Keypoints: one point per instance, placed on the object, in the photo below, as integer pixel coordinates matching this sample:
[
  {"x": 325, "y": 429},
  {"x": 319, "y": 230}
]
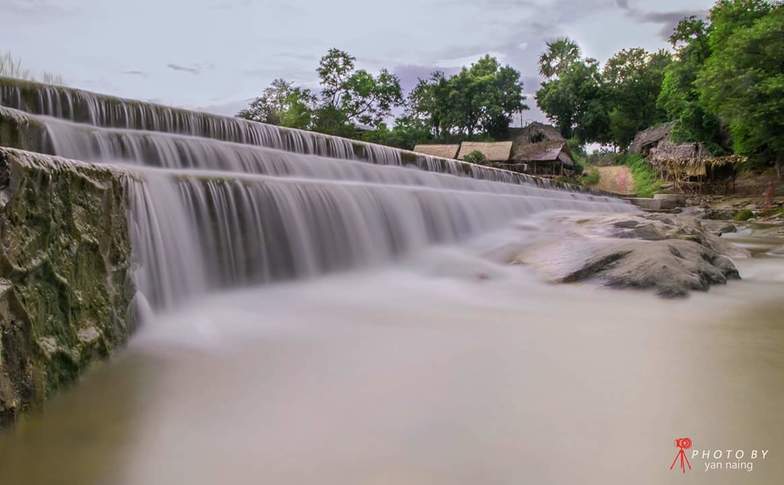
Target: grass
[
  {"x": 646, "y": 182},
  {"x": 590, "y": 176},
  {"x": 744, "y": 215}
]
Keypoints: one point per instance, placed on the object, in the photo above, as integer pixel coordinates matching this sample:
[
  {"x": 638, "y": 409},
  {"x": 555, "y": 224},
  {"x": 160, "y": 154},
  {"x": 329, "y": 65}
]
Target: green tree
[
  {"x": 559, "y": 55},
  {"x": 678, "y": 97},
  {"x": 363, "y": 98},
  {"x": 406, "y": 133},
  {"x": 428, "y": 103},
  {"x": 480, "y": 99},
  {"x": 632, "y": 79},
  {"x": 575, "y": 102},
  {"x": 743, "y": 79},
  {"x": 282, "y": 104}
]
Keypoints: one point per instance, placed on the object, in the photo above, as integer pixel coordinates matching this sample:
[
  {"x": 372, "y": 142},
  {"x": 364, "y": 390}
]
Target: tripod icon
[{"x": 682, "y": 444}]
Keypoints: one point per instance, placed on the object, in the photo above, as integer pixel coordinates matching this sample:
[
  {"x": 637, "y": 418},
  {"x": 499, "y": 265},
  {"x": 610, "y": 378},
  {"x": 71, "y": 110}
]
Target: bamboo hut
[{"x": 691, "y": 169}]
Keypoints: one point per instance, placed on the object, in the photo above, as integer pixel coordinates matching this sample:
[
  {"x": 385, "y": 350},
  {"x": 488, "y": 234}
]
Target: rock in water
[{"x": 670, "y": 254}]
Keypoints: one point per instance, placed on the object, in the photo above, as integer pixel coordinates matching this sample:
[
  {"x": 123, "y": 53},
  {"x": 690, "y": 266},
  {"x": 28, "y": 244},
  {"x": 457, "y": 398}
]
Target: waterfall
[{"x": 220, "y": 202}]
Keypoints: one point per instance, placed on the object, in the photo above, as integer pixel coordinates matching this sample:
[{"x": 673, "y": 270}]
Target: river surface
[{"x": 445, "y": 368}]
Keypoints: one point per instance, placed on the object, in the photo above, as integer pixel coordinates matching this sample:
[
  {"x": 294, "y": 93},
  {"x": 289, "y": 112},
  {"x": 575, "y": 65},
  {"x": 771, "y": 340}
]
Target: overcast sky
[{"x": 215, "y": 54}]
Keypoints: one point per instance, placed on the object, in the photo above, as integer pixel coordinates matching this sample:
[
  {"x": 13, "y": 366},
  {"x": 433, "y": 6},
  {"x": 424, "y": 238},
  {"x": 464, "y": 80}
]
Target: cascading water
[{"x": 221, "y": 202}]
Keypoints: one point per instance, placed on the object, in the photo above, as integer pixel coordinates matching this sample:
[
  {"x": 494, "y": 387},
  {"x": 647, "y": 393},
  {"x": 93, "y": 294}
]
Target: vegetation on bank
[
  {"x": 721, "y": 83},
  {"x": 646, "y": 181},
  {"x": 13, "y": 67},
  {"x": 477, "y": 103}
]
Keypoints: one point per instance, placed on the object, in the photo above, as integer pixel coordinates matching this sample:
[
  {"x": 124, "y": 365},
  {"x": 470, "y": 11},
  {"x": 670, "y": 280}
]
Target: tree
[
  {"x": 743, "y": 81},
  {"x": 632, "y": 80},
  {"x": 481, "y": 98},
  {"x": 575, "y": 101},
  {"x": 282, "y": 104},
  {"x": 428, "y": 103},
  {"x": 363, "y": 98},
  {"x": 406, "y": 133},
  {"x": 678, "y": 97},
  {"x": 560, "y": 54},
  {"x": 334, "y": 70}
]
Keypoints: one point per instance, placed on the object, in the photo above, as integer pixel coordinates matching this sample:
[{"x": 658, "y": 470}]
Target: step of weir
[{"x": 25, "y": 105}]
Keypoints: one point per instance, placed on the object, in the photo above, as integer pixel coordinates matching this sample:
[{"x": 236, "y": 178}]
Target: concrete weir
[
  {"x": 168, "y": 205},
  {"x": 65, "y": 282}
]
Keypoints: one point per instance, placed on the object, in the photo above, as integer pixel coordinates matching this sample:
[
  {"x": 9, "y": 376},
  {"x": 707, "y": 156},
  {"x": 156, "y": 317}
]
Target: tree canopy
[
  {"x": 481, "y": 98},
  {"x": 479, "y": 101}
]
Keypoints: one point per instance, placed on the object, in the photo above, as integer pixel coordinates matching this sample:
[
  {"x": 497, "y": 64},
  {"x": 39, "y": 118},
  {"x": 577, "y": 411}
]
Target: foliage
[
  {"x": 646, "y": 181},
  {"x": 11, "y": 66},
  {"x": 349, "y": 98},
  {"x": 282, "y": 104},
  {"x": 363, "y": 98},
  {"x": 723, "y": 85},
  {"x": 574, "y": 101},
  {"x": 744, "y": 215},
  {"x": 475, "y": 157},
  {"x": 560, "y": 54},
  {"x": 679, "y": 99},
  {"x": 481, "y": 98},
  {"x": 590, "y": 176},
  {"x": 743, "y": 81},
  {"x": 478, "y": 102},
  {"x": 632, "y": 80},
  {"x": 406, "y": 133}
]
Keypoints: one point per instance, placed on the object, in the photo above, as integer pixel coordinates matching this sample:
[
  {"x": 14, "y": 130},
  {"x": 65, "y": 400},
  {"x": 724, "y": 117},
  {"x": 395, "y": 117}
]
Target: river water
[{"x": 446, "y": 368}]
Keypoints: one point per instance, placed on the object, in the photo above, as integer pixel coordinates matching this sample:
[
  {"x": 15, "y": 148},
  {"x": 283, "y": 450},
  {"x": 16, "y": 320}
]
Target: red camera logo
[{"x": 682, "y": 444}]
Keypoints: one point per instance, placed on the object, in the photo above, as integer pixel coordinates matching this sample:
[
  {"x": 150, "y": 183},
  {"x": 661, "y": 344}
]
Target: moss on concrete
[{"x": 65, "y": 285}]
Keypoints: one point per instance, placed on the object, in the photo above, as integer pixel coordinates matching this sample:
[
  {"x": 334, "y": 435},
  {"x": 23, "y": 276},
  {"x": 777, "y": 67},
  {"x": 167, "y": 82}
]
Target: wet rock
[{"x": 671, "y": 255}]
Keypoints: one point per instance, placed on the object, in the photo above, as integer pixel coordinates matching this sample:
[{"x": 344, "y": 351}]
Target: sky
[{"x": 217, "y": 54}]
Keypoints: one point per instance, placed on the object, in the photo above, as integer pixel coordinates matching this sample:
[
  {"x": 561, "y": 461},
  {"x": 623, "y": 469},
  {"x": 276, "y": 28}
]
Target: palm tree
[{"x": 560, "y": 53}]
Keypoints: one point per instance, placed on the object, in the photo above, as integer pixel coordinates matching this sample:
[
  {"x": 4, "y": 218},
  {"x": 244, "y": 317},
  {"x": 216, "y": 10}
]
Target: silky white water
[
  {"x": 219, "y": 202},
  {"x": 319, "y": 316}
]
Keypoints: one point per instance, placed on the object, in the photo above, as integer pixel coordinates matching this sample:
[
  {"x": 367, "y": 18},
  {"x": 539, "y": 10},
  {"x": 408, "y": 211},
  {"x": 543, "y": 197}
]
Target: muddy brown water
[{"x": 423, "y": 374}]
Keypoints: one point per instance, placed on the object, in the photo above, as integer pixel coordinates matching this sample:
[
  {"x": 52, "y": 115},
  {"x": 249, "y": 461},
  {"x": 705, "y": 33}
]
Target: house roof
[
  {"x": 444, "y": 151},
  {"x": 650, "y": 136},
  {"x": 534, "y": 131},
  {"x": 497, "y": 151},
  {"x": 544, "y": 151}
]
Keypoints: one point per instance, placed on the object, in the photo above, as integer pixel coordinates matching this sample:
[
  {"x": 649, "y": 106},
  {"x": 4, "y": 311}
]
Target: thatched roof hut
[
  {"x": 443, "y": 151},
  {"x": 544, "y": 151},
  {"x": 699, "y": 173},
  {"x": 543, "y": 158},
  {"x": 535, "y": 132},
  {"x": 649, "y": 138},
  {"x": 497, "y": 151}
]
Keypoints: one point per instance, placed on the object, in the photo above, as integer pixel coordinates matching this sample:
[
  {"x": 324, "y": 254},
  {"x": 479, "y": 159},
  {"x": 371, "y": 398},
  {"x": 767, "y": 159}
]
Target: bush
[
  {"x": 590, "y": 177},
  {"x": 744, "y": 215},
  {"x": 475, "y": 157}
]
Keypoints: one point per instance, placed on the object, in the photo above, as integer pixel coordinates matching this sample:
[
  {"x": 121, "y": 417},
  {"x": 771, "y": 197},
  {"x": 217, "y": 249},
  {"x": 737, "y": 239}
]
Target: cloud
[
  {"x": 228, "y": 4},
  {"x": 132, "y": 72},
  {"x": 667, "y": 20},
  {"x": 37, "y": 8},
  {"x": 195, "y": 70}
]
